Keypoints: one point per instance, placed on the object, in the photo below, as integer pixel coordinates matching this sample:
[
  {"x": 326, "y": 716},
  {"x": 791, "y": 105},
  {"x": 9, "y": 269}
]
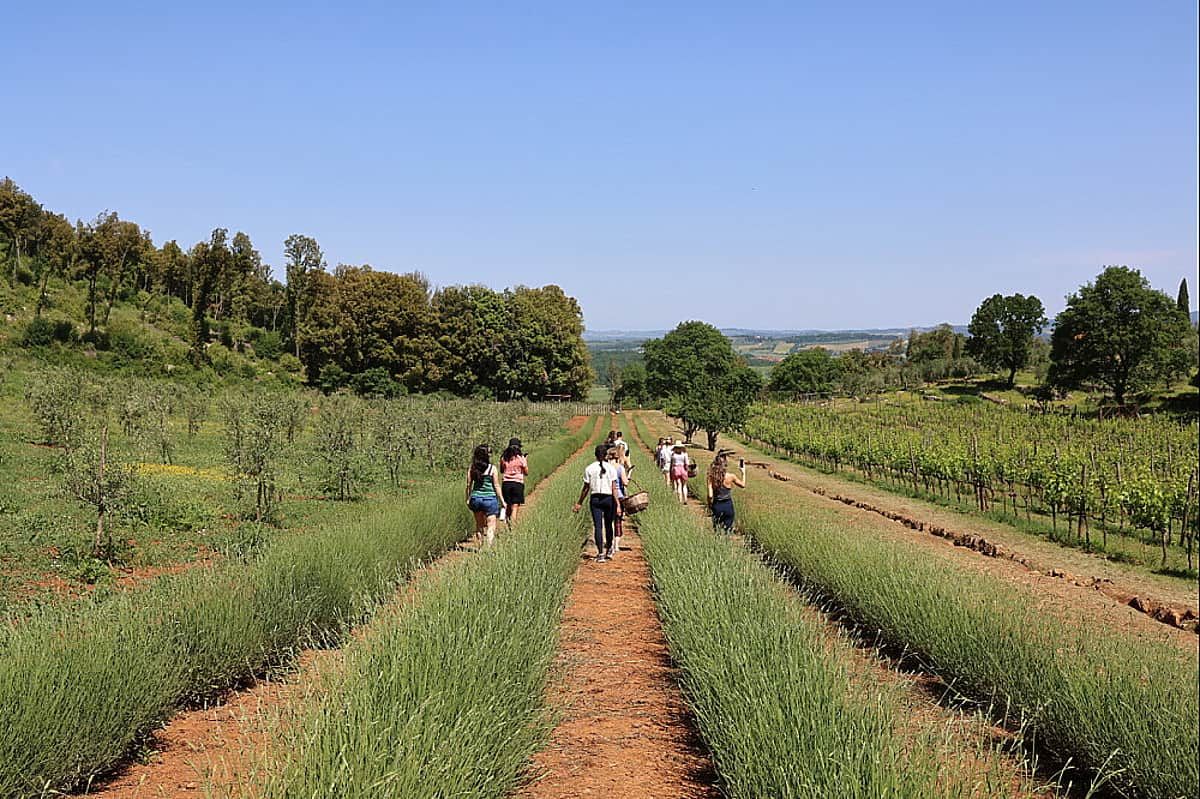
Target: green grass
[
  {"x": 770, "y": 689},
  {"x": 80, "y": 686},
  {"x": 1085, "y": 692},
  {"x": 444, "y": 695},
  {"x": 187, "y": 511}
]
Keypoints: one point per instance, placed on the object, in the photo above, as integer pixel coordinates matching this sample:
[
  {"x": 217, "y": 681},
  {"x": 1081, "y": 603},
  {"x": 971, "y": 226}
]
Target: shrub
[
  {"x": 332, "y": 377},
  {"x": 290, "y": 364},
  {"x": 41, "y": 332},
  {"x": 376, "y": 383},
  {"x": 267, "y": 344},
  {"x": 129, "y": 341}
]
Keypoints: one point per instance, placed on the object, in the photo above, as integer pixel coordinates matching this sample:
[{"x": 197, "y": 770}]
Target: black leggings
[
  {"x": 722, "y": 514},
  {"x": 604, "y": 512}
]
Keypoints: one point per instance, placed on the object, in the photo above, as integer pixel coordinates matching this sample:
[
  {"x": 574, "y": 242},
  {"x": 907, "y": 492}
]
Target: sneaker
[
  {"x": 601, "y": 559},
  {"x": 609, "y": 554}
]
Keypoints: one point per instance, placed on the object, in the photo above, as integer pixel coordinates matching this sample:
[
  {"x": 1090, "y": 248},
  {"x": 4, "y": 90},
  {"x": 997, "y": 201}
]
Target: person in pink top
[{"x": 513, "y": 468}]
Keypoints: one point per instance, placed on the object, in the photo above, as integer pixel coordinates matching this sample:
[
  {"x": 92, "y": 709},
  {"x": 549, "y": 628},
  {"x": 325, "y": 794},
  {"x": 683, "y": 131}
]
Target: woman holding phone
[{"x": 720, "y": 491}]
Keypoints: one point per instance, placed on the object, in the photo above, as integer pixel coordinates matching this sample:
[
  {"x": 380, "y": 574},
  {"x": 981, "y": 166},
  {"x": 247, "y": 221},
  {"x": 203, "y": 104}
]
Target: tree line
[
  {"x": 350, "y": 326},
  {"x": 1116, "y": 332}
]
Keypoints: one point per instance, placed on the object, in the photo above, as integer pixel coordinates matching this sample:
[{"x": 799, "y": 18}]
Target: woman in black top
[{"x": 720, "y": 491}]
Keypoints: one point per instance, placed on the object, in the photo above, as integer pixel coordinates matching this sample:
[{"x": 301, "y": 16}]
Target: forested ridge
[{"x": 348, "y": 326}]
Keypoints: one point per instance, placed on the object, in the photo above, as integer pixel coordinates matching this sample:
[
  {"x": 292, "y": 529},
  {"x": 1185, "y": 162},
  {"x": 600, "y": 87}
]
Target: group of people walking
[
  {"x": 495, "y": 493},
  {"x": 677, "y": 467},
  {"x": 606, "y": 480}
]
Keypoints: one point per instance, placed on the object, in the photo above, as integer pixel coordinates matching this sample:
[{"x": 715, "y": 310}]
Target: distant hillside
[{"x": 796, "y": 336}]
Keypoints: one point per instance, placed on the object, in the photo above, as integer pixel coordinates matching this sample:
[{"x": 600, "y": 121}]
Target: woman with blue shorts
[{"x": 483, "y": 493}]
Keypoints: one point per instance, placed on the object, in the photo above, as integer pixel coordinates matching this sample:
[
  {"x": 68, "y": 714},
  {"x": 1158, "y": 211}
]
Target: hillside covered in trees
[{"x": 105, "y": 288}]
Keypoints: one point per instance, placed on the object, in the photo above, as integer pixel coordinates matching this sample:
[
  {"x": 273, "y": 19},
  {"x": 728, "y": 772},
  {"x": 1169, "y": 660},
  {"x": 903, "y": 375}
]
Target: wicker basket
[{"x": 636, "y": 503}]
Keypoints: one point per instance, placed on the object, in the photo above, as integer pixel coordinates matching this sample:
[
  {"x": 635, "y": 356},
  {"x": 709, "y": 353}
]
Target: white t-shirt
[{"x": 600, "y": 483}]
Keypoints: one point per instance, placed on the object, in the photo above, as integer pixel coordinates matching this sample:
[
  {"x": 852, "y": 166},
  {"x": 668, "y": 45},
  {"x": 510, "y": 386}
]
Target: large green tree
[
  {"x": 57, "y": 252},
  {"x": 470, "y": 323},
  {"x": 20, "y": 220},
  {"x": 694, "y": 371},
  {"x": 363, "y": 319},
  {"x": 1115, "y": 332},
  {"x": 939, "y": 344},
  {"x": 1002, "y": 331},
  {"x": 210, "y": 259},
  {"x": 631, "y": 386},
  {"x": 811, "y": 371},
  {"x": 303, "y": 260},
  {"x": 544, "y": 346}
]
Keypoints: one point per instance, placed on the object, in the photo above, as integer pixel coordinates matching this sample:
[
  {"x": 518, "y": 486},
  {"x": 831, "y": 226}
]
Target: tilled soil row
[
  {"x": 218, "y": 746},
  {"x": 625, "y": 728},
  {"x": 1179, "y": 616},
  {"x": 1175, "y": 615}
]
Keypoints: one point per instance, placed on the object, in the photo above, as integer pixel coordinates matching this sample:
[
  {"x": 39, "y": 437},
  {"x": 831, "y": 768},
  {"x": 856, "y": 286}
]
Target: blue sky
[{"x": 755, "y": 164}]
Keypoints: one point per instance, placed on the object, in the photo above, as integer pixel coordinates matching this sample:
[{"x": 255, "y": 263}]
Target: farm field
[
  {"x": 185, "y": 504},
  {"x": 841, "y": 721},
  {"x": 244, "y": 746},
  {"x": 133, "y": 657},
  {"x": 1124, "y": 487},
  {"x": 825, "y": 546}
]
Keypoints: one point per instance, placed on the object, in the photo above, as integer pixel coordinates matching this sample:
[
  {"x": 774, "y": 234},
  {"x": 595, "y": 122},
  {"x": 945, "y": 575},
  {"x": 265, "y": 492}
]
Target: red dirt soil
[{"x": 625, "y": 729}]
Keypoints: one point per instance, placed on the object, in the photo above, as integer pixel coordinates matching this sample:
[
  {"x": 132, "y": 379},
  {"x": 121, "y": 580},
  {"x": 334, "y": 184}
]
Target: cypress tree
[{"x": 1183, "y": 302}]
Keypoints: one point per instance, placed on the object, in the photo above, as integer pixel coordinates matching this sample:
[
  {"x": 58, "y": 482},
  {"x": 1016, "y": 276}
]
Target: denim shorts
[{"x": 489, "y": 506}]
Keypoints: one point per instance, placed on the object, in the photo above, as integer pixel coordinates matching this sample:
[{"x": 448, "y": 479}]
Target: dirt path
[
  {"x": 214, "y": 750},
  {"x": 1077, "y": 600},
  {"x": 625, "y": 730}
]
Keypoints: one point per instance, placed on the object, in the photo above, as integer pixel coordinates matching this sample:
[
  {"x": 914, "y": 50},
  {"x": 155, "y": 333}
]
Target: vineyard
[
  {"x": 338, "y": 502},
  {"x": 1134, "y": 478},
  {"x": 1079, "y": 689}
]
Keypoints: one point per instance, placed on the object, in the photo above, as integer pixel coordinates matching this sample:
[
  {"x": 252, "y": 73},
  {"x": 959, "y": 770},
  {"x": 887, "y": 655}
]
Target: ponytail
[{"x": 601, "y": 451}]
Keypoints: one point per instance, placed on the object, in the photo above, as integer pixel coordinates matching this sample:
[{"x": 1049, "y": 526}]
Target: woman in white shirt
[
  {"x": 664, "y": 458},
  {"x": 598, "y": 479}
]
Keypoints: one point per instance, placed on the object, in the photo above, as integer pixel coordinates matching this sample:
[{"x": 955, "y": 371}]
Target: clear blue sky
[{"x": 756, "y": 164}]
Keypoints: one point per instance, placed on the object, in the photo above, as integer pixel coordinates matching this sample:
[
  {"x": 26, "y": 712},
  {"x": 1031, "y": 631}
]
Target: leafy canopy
[
  {"x": 810, "y": 371},
  {"x": 700, "y": 379},
  {"x": 1002, "y": 331},
  {"x": 1116, "y": 331}
]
